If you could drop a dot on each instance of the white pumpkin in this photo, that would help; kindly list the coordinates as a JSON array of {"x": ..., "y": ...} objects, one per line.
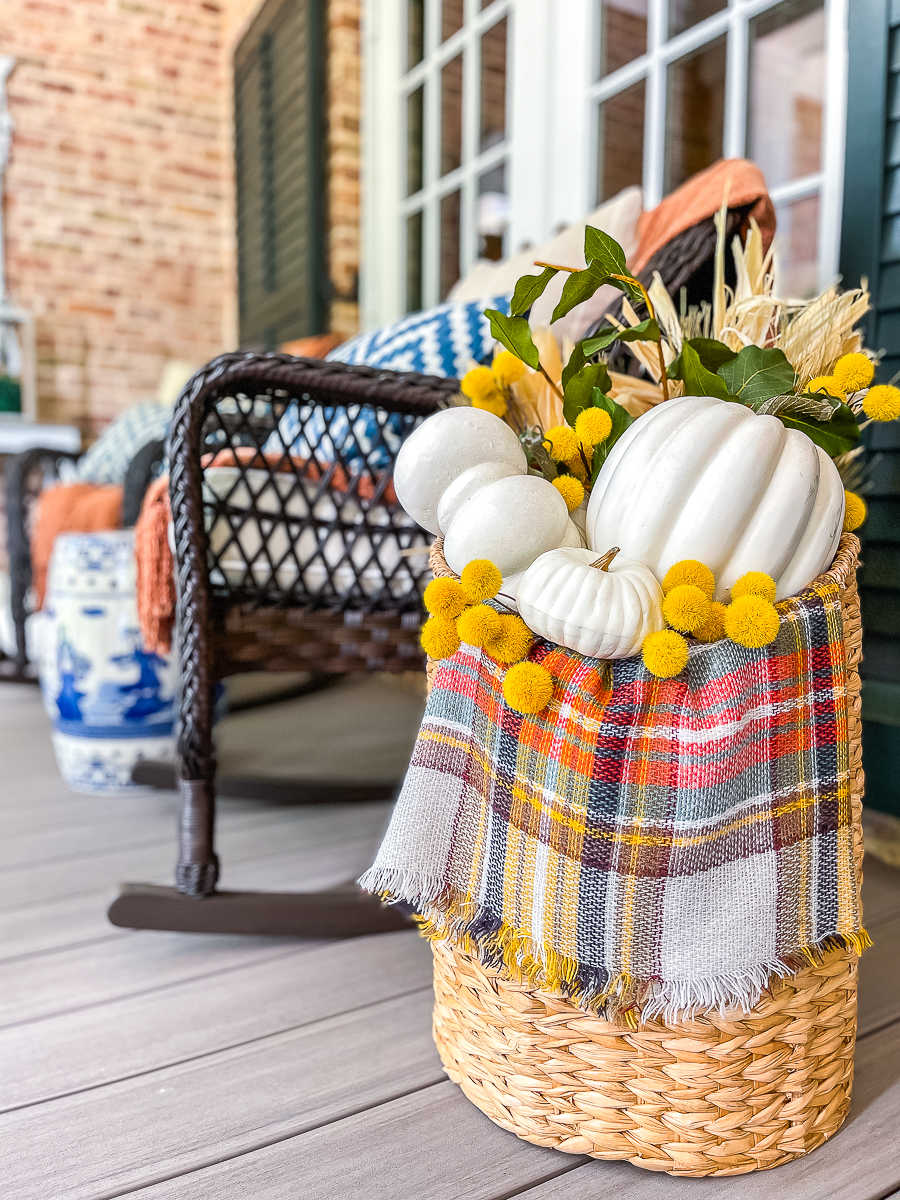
[
  {"x": 467, "y": 485},
  {"x": 444, "y": 446},
  {"x": 571, "y": 537},
  {"x": 510, "y": 522},
  {"x": 602, "y": 607},
  {"x": 700, "y": 478}
]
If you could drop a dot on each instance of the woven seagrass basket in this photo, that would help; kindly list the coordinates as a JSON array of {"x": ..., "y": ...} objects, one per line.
[{"x": 710, "y": 1096}]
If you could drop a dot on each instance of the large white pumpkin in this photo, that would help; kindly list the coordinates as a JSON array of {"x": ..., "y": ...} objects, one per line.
[
  {"x": 604, "y": 611},
  {"x": 701, "y": 478},
  {"x": 444, "y": 446},
  {"x": 510, "y": 522}
]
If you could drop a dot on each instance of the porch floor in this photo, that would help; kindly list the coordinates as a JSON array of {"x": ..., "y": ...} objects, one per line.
[{"x": 225, "y": 1068}]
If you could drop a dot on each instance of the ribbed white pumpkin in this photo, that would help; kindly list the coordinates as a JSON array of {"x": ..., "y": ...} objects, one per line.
[
  {"x": 700, "y": 478},
  {"x": 601, "y": 612}
]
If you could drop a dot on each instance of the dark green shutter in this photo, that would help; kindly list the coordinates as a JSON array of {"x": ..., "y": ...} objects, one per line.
[
  {"x": 870, "y": 247},
  {"x": 279, "y": 82}
]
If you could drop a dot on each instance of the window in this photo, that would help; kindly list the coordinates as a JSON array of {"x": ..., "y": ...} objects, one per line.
[
  {"x": 278, "y": 117},
  {"x": 680, "y": 83},
  {"x": 454, "y": 91}
]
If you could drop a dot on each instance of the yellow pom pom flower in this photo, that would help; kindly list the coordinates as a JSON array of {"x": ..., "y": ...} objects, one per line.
[
  {"x": 563, "y": 443},
  {"x": 511, "y": 640},
  {"x": 854, "y": 511},
  {"x": 827, "y": 384},
  {"x": 480, "y": 580},
  {"x": 478, "y": 624},
  {"x": 754, "y": 583},
  {"x": 689, "y": 570},
  {"x": 751, "y": 621},
  {"x": 483, "y": 390},
  {"x": 570, "y": 489},
  {"x": 713, "y": 630},
  {"x": 446, "y": 598},
  {"x": 665, "y": 653},
  {"x": 528, "y": 687},
  {"x": 882, "y": 403},
  {"x": 686, "y": 607},
  {"x": 440, "y": 638},
  {"x": 852, "y": 372},
  {"x": 507, "y": 369},
  {"x": 593, "y": 426}
]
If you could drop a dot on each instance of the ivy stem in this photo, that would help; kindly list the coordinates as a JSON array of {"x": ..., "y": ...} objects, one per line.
[
  {"x": 550, "y": 381},
  {"x": 558, "y": 267}
]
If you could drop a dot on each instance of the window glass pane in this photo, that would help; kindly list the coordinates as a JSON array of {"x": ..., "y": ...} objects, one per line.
[
  {"x": 620, "y": 141},
  {"x": 787, "y": 91},
  {"x": 695, "y": 111},
  {"x": 451, "y": 114},
  {"x": 451, "y": 18},
  {"x": 685, "y": 13},
  {"x": 414, "y": 113},
  {"x": 414, "y": 262},
  {"x": 623, "y": 33},
  {"x": 493, "y": 85},
  {"x": 797, "y": 248},
  {"x": 415, "y": 32},
  {"x": 492, "y": 213},
  {"x": 449, "y": 242}
]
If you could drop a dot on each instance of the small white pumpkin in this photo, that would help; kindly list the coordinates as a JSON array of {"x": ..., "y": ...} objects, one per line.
[
  {"x": 510, "y": 522},
  {"x": 444, "y": 446},
  {"x": 602, "y": 607},
  {"x": 469, "y": 484},
  {"x": 571, "y": 537},
  {"x": 699, "y": 478}
]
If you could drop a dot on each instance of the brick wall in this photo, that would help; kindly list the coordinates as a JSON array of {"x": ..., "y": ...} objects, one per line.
[{"x": 119, "y": 194}]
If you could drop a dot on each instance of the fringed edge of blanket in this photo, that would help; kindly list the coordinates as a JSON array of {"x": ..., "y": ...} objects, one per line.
[{"x": 621, "y": 998}]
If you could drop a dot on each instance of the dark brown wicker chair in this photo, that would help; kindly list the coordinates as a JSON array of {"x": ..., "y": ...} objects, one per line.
[{"x": 288, "y": 558}]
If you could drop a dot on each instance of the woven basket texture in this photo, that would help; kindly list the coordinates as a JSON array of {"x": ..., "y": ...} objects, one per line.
[{"x": 710, "y": 1096}]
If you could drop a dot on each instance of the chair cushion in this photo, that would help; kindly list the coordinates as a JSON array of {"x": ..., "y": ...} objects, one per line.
[{"x": 108, "y": 459}]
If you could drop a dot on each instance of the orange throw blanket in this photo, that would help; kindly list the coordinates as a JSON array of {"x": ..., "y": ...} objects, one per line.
[
  {"x": 72, "y": 508},
  {"x": 155, "y": 568},
  {"x": 700, "y": 197}
]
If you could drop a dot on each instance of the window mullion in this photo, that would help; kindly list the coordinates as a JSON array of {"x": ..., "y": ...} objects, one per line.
[
  {"x": 834, "y": 121},
  {"x": 736, "y": 77},
  {"x": 432, "y": 157},
  {"x": 655, "y": 117}
]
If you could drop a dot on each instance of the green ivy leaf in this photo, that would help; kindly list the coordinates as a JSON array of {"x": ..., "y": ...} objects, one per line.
[
  {"x": 698, "y": 381},
  {"x": 756, "y": 375},
  {"x": 515, "y": 334},
  {"x": 528, "y": 289},
  {"x": 578, "y": 389},
  {"x": 711, "y": 353},
  {"x": 837, "y": 436},
  {"x": 580, "y": 286},
  {"x": 647, "y": 331},
  {"x": 620, "y": 422},
  {"x": 604, "y": 251},
  {"x": 578, "y": 360}
]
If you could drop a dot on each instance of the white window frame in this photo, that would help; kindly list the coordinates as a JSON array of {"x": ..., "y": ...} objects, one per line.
[{"x": 551, "y": 137}]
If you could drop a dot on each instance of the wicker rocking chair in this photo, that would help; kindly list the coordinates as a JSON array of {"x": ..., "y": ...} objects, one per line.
[{"x": 289, "y": 547}]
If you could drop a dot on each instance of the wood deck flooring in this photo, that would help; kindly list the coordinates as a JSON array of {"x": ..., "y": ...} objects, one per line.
[{"x": 187, "y": 1067}]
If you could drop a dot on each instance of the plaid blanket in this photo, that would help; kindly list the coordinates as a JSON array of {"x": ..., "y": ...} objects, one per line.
[{"x": 660, "y": 847}]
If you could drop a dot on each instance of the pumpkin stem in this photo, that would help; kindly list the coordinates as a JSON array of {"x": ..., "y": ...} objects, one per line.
[{"x": 603, "y": 563}]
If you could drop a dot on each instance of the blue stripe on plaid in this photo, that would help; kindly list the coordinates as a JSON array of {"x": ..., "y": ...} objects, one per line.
[{"x": 108, "y": 459}]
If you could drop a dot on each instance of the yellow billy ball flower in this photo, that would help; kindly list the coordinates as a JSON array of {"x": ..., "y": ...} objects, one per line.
[
  {"x": 480, "y": 580},
  {"x": 593, "y": 426},
  {"x": 446, "y": 598},
  {"x": 751, "y": 621},
  {"x": 665, "y": 653},
  {"x": 854, "y": 511},
  {"x": 689, "y": 570},
  {"x": 570, "y": 490},
  {"x": 686, "y": 607},
  {"x": 528, "y": 687},
  {"x": 754, "y": 583},
  {"x": 563, "y": 443},
  {"x": 478, "y": 624},
  {"x": 482, "y": 389},
  {"x": 576, "y": 466},
  {"x": 439, "y": 638},
  {"x": 507, "y": 369},
  {"x": 827, "y": 384},
  {"x": 853, "y": 372},
  {"x": 713, "y": 628},
  {"x": 882, "y": 403},
  {"x": 511, "y": 640}
]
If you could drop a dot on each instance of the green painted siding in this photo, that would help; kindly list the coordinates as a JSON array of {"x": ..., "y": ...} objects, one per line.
[
  {"x": 871, "y": 249},
  {"x": 279, "y": 74}
]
